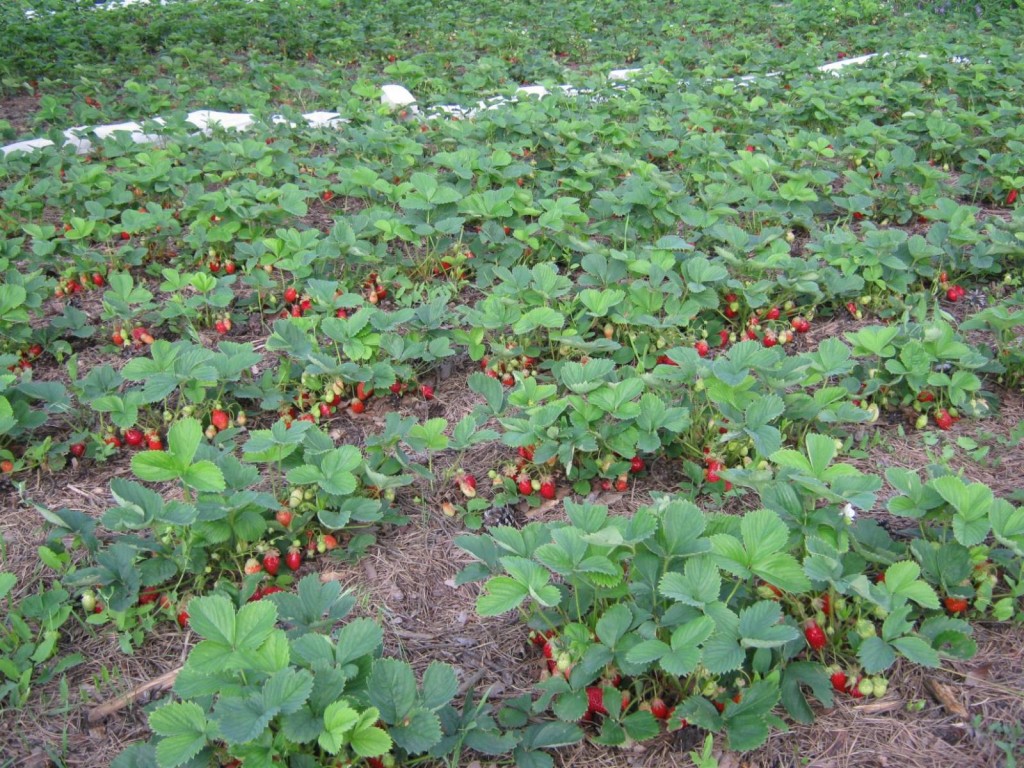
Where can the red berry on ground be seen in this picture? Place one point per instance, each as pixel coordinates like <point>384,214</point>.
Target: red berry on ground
<point>955,604</point>
<point>547,489</point>
<point>78,450</point>
<point>943,420</point>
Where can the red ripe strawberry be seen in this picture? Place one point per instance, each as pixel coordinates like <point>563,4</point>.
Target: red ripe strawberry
<point>154,443</point>
<point>291,295</point>
<point>952,294</point>
<point>182,618</point>
<point>148,596</point>
<point>78,450</point>
<point>325,410</point>
<point>272,561</point>
<point>636,464</point>
<point>659,709</point>
<point>702,348</point>
<point>97,280</point>
<point>117,339</point>
<point>773,313</point>
<point>770,339</point>
<point>220,419</point>
<point>362,392</point>
<point>252,565</point>
<point>230,267</point>
<point>955,604</point>
<point>858,215</point>
<point>801,324</point>
<point>750,148</point>
<point>839,680</point>
<point>943,277</point>
<point>943,420</point>
<point>621,484</point>
<point>221,327</point>
<point>1011,197</point>
<point>284,517</point>
<point>113,440</point>
<point>925,397</point>
<point>723,338</point>
<point>826,603</point>
<point>125,236</point>
<point>215,266</point>
<point>427,391</point>
<point>293,558</point>
<point>375,762</point>
<point>525,485</point>
<point>960,291</point>
<point>548,650</point>
<point>547,489</point>
<point>508,380</point>
<point>815,635</point>
<point>526,452</point>
<point>328,542</point>
<point>595,701</point>
<point>357,406</point>
<point>134,437</point>
<point>396,388</point>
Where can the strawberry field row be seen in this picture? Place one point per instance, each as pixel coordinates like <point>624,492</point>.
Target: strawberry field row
<point>625,281</point>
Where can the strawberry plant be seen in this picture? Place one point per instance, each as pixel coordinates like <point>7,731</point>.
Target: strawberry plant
<point>281,693</point>
<point>29,639</point>
<point>700,625</point>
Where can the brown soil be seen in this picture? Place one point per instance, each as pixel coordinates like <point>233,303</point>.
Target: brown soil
<point>19,109</point>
